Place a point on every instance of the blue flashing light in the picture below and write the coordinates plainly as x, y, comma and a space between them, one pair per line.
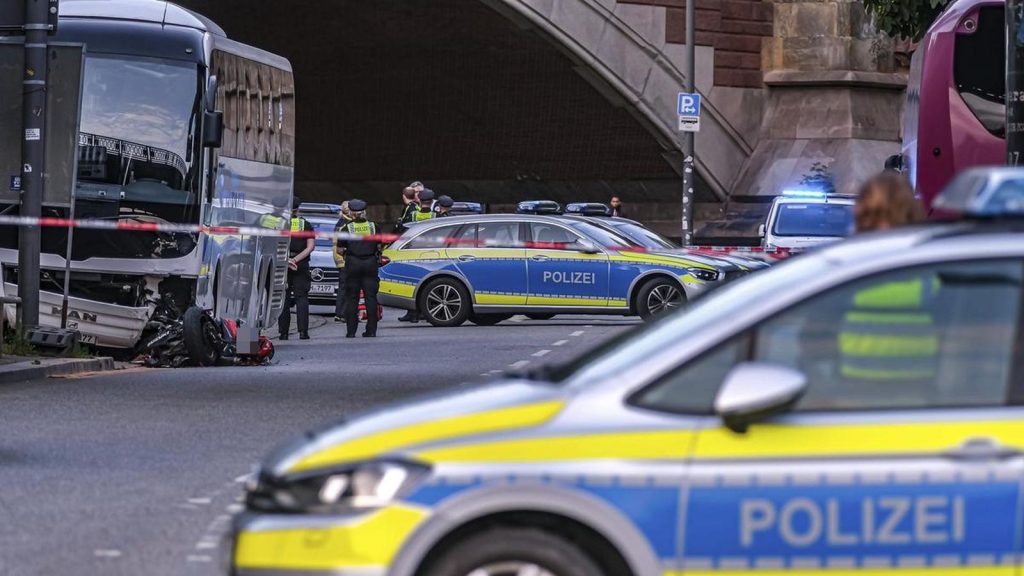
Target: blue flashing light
803, 194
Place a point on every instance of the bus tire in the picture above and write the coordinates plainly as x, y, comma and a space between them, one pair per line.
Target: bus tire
201, 336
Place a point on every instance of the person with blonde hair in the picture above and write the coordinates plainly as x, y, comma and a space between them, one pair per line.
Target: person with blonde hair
886, 201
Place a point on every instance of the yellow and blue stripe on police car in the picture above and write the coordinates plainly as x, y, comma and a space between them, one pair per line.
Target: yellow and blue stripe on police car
532, 277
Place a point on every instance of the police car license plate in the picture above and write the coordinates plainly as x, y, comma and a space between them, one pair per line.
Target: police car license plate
322, 289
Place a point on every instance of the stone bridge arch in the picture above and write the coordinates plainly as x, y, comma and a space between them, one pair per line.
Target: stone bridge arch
624, 49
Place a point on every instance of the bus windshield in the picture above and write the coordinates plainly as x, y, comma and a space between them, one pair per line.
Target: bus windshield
137, 155
138, 117
814, 219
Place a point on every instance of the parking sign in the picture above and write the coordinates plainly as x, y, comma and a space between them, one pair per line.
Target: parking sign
688, 108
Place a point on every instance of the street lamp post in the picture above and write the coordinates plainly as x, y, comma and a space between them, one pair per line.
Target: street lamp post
688, 137
33, 150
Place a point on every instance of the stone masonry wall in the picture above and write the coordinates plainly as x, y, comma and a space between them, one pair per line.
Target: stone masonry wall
734, 28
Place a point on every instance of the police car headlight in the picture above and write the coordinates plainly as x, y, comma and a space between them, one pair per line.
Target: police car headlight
703, 274
367, 485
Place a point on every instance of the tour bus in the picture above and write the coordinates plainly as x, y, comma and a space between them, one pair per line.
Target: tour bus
179, 125
957, 85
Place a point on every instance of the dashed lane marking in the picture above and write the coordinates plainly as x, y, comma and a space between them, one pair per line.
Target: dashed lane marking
541, 353
560, 343
201, 501
199, 558
107, 553
577, 333
518, 365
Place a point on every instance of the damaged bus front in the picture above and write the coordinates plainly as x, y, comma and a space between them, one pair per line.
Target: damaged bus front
179, 125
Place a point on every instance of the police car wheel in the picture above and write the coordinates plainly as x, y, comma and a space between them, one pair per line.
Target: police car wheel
488, 319
657, 296
445, 303
513, 552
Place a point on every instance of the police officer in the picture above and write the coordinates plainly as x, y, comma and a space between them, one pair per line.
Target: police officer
424, 212
888, 333
362, 258
299, 279
444, 206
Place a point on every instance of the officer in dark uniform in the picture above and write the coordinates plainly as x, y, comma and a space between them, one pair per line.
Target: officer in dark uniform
299, 279
362, 259
444, 206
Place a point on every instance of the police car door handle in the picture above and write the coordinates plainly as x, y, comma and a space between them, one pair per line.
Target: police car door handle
981, 449
467, 258
539, 258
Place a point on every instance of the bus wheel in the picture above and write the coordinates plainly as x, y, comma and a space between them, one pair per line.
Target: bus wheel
202, 337
509, 551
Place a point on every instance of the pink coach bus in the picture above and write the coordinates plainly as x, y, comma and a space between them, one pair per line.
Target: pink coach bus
955, 115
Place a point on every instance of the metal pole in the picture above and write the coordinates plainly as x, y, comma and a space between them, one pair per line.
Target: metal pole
1014, 83
687, 137
33, 156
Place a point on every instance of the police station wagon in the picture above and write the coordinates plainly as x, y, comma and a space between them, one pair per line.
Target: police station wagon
487, 268
865, 419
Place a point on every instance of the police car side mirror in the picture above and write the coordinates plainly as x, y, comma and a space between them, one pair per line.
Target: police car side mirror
760, 230
587, 247
753, 391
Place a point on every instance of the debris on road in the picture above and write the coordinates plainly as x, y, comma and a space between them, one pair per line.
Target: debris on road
197, 338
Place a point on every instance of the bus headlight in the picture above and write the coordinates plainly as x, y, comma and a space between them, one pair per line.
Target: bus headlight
359, 487
703, 274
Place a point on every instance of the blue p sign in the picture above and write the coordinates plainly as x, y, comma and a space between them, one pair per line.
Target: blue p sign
689, 104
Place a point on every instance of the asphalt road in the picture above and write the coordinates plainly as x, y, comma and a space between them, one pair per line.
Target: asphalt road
137, 472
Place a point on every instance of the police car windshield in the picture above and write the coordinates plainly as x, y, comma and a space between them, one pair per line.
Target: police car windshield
600, 235
814, 219
644, 237
674, 330
323, 225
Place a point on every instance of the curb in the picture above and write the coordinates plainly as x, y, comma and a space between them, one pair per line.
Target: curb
47, 367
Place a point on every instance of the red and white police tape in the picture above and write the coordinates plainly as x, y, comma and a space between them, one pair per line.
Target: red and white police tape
124, 225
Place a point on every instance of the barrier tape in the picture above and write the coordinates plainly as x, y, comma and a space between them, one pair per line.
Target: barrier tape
136, 226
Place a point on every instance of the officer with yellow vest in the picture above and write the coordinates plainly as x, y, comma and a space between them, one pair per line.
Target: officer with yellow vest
362, 260
888, 333
425, 210
299, 279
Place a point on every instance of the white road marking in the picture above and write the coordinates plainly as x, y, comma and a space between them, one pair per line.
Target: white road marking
241, 479
101, 553
588, 325
561, 343
518, 365
206, 545
540, 353
199, 558
235, 508
577, 333
203, 501
496, 371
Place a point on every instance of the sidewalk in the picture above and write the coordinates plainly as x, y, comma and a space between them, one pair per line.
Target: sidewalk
23, 368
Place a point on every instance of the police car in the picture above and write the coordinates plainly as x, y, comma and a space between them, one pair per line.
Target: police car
724, 439
322, 268
799, 220
487, 268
